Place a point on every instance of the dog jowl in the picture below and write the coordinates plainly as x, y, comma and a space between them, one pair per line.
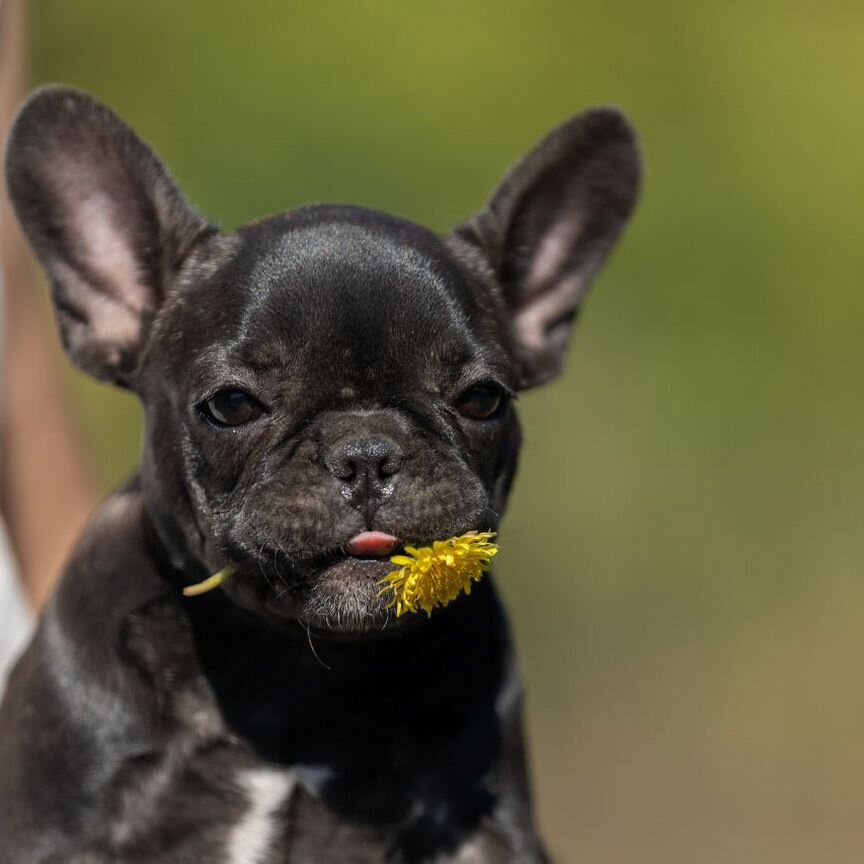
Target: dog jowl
320, 387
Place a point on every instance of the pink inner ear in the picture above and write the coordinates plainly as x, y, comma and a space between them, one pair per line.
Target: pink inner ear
551, 256
115, 301
551, 289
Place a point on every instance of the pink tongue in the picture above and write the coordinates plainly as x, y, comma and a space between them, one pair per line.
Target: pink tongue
372, 544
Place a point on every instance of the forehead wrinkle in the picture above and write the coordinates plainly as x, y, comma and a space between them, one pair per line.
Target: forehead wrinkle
307, 265
313, 250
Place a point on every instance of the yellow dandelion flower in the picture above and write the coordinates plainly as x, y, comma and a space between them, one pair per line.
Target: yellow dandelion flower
436, 575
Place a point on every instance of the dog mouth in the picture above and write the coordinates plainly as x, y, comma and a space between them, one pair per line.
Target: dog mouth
365, 553
348, 581
372, 544
339, 589
366, 550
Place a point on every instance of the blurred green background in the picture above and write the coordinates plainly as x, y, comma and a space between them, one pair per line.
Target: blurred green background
683, 555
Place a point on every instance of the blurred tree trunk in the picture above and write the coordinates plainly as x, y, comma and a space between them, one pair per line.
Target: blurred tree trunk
47, 487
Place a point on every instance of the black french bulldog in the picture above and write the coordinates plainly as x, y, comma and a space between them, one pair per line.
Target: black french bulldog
320, 387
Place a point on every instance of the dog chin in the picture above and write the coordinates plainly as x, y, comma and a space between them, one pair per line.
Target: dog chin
346, 597
343, 596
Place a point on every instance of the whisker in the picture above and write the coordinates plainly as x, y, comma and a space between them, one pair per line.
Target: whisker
314, 652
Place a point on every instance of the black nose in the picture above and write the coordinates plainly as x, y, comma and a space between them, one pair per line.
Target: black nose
366, 466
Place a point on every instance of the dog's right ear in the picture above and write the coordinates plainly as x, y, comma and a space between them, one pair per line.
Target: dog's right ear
106, 221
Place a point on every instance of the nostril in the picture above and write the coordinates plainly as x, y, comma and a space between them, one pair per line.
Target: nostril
349, 468
342, 466
369, 459
391, 464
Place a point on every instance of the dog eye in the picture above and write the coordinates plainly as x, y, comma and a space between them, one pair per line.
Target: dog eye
482, 401
231, 408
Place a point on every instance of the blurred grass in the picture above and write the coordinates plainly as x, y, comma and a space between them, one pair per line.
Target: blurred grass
683, 554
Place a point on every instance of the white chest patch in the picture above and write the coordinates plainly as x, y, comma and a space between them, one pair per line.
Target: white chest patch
266, 789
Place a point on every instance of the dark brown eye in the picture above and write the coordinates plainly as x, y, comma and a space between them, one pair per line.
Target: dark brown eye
482, 401
231, 408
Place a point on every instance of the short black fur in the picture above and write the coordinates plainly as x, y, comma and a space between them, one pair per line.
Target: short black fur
289, 716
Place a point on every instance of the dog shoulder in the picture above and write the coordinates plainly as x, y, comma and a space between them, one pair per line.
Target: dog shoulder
83, 700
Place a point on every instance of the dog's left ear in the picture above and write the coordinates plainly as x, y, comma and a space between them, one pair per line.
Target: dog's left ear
108, 224
549, 227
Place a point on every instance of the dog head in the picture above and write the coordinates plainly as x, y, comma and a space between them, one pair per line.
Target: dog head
322, 374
